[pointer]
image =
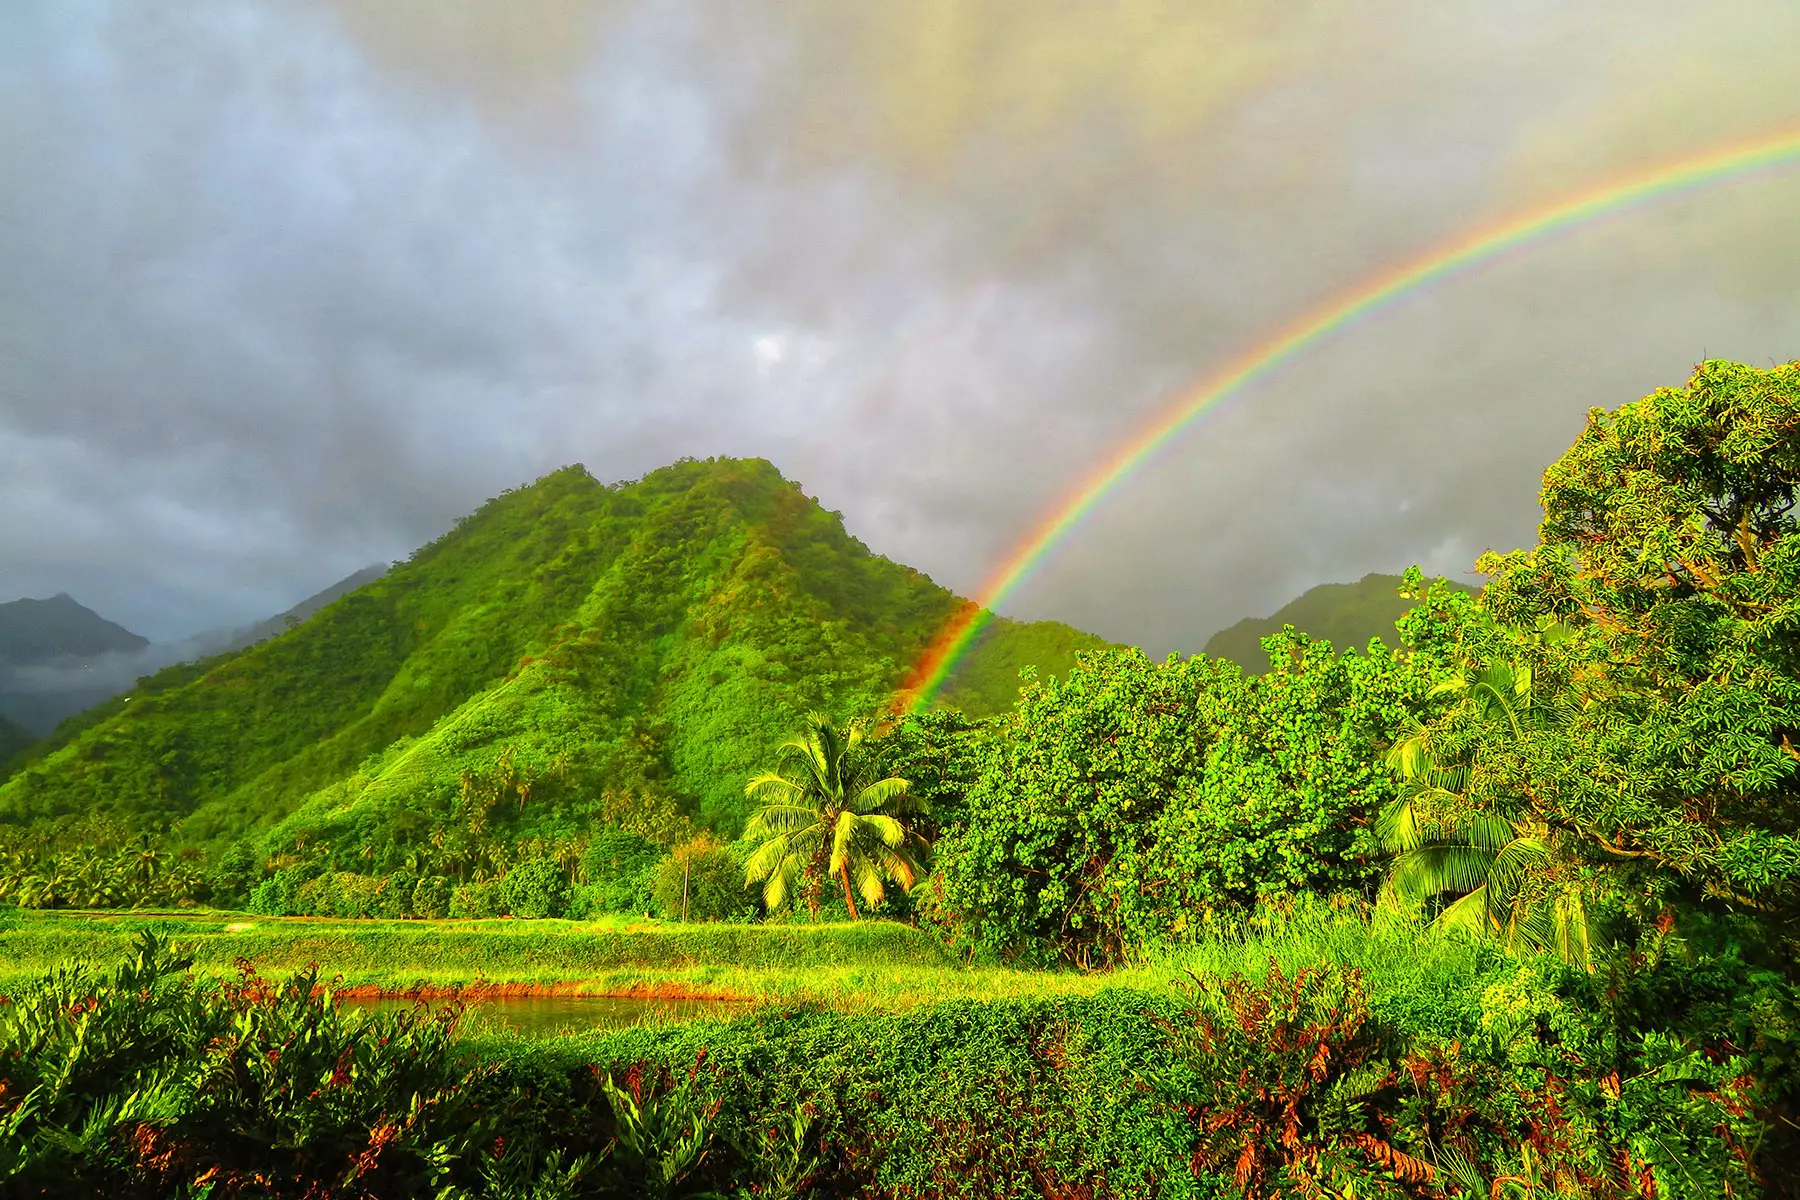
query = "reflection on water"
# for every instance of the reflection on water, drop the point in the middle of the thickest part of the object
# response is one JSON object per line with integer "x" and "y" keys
{"x": 544, "y": 1015}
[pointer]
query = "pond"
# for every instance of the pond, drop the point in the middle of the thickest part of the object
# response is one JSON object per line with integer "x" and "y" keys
{"x": 542, "y": 1016}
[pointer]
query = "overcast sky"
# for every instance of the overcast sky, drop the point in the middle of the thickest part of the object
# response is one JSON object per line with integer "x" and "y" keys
{"x": 285, "y": 288}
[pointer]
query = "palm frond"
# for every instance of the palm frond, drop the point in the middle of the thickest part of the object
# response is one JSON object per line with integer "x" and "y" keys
{"x": 772, "y": 819}
{"x": 774, "y": 784}
{"x": 886, "y": 828}
{"x": 868, "y": 881}
{"x": 1432, "y": 870}
{"x": 781, "y": 884}
{"x": 899, "y": 866}
{"x": 1469, "y": 914}
{"x": 767, "y": 859}
{"x": 1514, "y": 861}
{"x": 1571, "y": 938}
{"x": 1485, "y": 831}
{"x": 842, "y": 839}
{"x": 878, "y": 794}
{"x": 1397, "y": 825}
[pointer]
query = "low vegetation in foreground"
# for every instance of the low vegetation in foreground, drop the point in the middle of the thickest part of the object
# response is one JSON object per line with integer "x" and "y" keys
{"x": 1508, "y": 909}
{"x": 1370, "y": 1063}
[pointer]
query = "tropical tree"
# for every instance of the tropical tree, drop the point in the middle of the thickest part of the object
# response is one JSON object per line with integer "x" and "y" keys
{"x": 1508, "y": 870}
{"x": 826, "y": 813}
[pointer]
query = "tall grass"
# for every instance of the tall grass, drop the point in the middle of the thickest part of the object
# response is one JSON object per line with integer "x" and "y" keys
{"x": 1415, "y": 977}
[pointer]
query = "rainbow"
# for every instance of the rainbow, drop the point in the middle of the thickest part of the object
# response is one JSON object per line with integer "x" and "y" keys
{"x": 1451, "y": 259}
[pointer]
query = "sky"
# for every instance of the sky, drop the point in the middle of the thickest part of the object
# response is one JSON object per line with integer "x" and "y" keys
{"x": 286, "y": 288}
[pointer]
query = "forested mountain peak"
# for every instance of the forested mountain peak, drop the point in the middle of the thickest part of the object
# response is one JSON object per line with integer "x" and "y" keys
{"x": 35, "y": 631}
{"x": 573, "y": 644}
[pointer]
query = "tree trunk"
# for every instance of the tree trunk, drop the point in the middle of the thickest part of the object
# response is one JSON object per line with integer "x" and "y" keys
{"x": 845, "y": 876}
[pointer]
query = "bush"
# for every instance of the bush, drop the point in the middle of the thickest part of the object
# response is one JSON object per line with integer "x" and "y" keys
{"x": 702, "y": 881}
{"x": 279, "y": 894}
{"x": 618, "y": 867}
{"x": 1117, "y": 804}
{"x": 235, "y": 876}
{"x": 483, "y": 899}
{"x": 431, "y": 898}
{"x": 536, "y": 888}
{"x": 395, "y": 897}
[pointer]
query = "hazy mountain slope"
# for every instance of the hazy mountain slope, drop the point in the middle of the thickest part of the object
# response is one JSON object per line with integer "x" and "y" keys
{"x": 651, "y": 637}
{"x": 13, "y": 738}
{"x": 38, "y": 631}
{"x": 55, "y": 660}
{"x": 1345, "y": 614}
{"x": 987, "y": 680}
{"x": 282, "y": 622}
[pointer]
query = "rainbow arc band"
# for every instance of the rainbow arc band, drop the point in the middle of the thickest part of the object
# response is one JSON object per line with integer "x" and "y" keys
{"x": 1459, "y": 256}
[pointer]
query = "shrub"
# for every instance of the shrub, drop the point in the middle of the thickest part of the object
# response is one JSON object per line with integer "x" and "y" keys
{"x": 482, "y": 899}
{"x": 431, "y": 898}
{"x": 702, "y": 881}
{"x": 536, "y": 888}
{"x": 618, "y": 867}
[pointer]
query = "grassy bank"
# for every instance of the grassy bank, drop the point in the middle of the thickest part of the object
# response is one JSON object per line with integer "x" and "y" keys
{"x": 846, "y": 966}
{"x": 608, "y": 957}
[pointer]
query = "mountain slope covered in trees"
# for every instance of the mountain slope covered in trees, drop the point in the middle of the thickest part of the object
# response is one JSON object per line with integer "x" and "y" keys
{"x": 1345, "y": 614}
{"x": 570, "y": 645}
{"x": 13, "y": 738}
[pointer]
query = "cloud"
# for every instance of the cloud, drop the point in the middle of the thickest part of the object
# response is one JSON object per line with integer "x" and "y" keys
{"x": 286, "y": 288}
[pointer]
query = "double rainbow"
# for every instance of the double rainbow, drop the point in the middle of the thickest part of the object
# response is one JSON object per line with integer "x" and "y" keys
{"x": 1389, "y": 287}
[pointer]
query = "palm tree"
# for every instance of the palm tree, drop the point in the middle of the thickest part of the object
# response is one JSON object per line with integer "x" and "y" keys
{"x": 1512, "y": 875}
{"x": 825, "y": 815}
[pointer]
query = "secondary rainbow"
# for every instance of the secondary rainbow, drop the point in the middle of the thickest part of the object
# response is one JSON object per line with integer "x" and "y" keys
{"x": 1460, "y": 255}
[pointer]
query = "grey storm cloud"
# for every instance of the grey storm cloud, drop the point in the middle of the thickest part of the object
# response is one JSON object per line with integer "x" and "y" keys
{"x": 285, "y": 288}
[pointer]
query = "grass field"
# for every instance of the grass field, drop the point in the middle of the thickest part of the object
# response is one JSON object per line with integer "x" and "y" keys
{"x": 869, "y": 964}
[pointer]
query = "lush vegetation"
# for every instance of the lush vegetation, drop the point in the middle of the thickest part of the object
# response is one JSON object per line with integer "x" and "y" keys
{"x": 1347, "y": 615}
{"x": 13, "y": 739}
{"x": 1534, "y": 1080}
{"x": 1506, "y": 909}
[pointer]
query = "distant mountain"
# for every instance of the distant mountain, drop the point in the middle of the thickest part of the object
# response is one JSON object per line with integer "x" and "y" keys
{"x": 570, "y": 648}
{"x": 49, "y": 652}
{"x": 59, "y": 659}
{"x": 41, "y": 631}
{"x": 1345, "y": 614}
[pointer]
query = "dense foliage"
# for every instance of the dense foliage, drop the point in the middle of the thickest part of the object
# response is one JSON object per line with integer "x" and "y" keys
{"x": 1624, "y": 704}
{"x": 1345, "y": 614}
{"x": 13, "y": 739}
{"x": 142, "y": 1082}
{"x": 1116, "y": 808}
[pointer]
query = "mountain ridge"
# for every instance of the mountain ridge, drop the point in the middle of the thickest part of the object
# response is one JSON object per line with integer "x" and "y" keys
{"x": 652, "y": 640}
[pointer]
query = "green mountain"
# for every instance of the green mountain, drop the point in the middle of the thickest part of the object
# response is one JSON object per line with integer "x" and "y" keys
{"x": 13, "y": 738}
{"x": 40, "y": 631}
{"x": 570, "y": 649}
{"x": 1345, "y": 614}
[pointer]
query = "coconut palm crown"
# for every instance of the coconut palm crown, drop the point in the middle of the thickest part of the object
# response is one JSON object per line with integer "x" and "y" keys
{"x": 1510, "y": 873}
{"x": 826, "y": 814}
